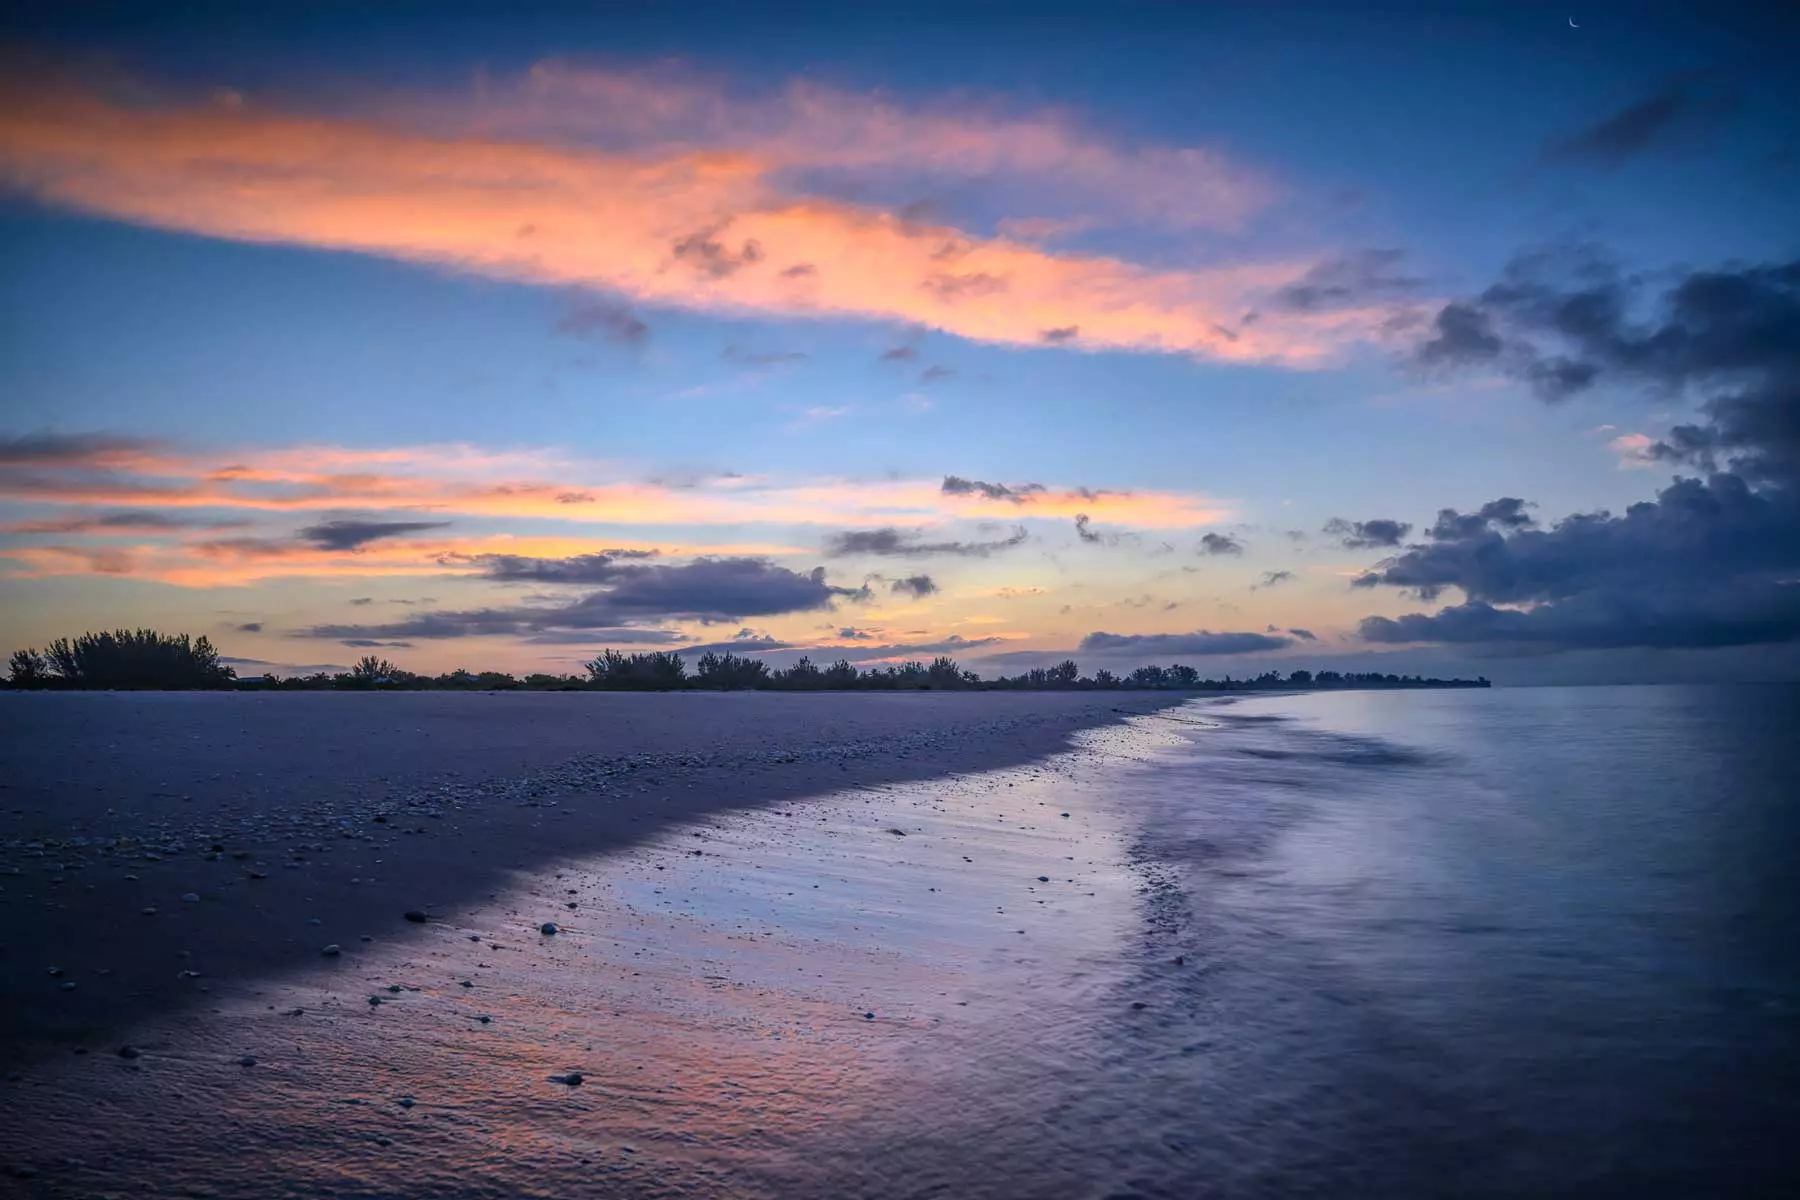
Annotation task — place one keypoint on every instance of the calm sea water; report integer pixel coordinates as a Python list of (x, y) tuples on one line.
[(1521, 942)]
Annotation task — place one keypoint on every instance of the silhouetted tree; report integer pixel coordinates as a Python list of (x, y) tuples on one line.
[(125, 658)]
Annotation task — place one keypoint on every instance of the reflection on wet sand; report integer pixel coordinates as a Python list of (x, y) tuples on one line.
[(824, 997)]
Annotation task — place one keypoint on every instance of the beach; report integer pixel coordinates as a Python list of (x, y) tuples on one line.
[(350, 810), (1403, 944)]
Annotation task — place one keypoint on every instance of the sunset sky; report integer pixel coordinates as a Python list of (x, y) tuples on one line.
[(1412, 337)]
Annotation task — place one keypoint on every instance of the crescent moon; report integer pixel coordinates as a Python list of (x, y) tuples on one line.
[(1572, 24)]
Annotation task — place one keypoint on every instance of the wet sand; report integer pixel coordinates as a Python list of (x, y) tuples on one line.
[(155, 848)]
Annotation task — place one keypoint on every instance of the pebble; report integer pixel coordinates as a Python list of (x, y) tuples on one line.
[(129, 1052), (417, 916), (246, 1061), (149, 910), (331, 951), (374, 1001), (1181, 960), (484, 1020), (547, 927), (1043, 879), (573, 1079), (407, 1102), (67, 985), (190, 897), (1139, 1004), (868, 1016)]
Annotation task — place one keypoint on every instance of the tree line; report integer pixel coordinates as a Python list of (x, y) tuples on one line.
[(144, 658)]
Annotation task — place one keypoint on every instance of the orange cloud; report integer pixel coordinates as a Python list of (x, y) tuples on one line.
[(447, 481), (714, 228)]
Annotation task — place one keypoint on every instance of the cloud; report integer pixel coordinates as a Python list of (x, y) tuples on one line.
[(1217, 544), (1707, 563), (464, 481), (1271, 578), (1365, 535), (375, 643), (69, 449), (851, 633), (1462, 335), (1630, 132), (1350, 281), (1023, 493), (916, 586), (1057, 337), (250, 627), (773, 358), (707, 589), (116, 523), (936, 374), (1508, 512), (1200, 642), (900, 354), (895, 543), (954, 644), (1082, 521), (599, 317), (1305, 635), (353, 535), (633, 206)]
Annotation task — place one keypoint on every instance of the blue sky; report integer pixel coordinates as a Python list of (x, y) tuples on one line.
[(310, 246)]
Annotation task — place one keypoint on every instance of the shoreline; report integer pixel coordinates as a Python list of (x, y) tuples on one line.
[(295, 822)]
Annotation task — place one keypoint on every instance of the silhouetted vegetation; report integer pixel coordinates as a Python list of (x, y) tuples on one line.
[(147, 659), (125, 658)]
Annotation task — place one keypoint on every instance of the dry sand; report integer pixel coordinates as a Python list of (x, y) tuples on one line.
[(141, 833)]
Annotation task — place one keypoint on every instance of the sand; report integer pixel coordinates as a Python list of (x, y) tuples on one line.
[(157, 850)]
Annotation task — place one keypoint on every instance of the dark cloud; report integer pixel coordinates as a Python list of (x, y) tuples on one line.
[(1639, 127), (374, 643), (744, 643), (853, 634), (1021, 493), (799, 271), (353, 535), (1366, 535), (250, 627), (1271, 578), (1200, 642), (1508, 512), (964, 287), (1463, 335), (1057, 337), (69, 449), (915, 586), (362, 600), (952, 645), (1216, 544), (707, 589), (708, 256), (745, 358), (895, 543), (1305, 635), (599, 318), (1082, 521), (135, 521), (1707, 563), (936, 374), (900, 354), (1354, 279), (1710, 561), (626, 635)]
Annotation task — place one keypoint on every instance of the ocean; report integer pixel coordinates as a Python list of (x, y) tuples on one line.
[(1534, 941), (1514, 942)]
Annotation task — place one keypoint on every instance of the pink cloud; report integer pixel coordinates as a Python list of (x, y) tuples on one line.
[(719, 228)]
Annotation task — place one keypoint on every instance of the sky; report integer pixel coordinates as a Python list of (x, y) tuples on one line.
[(1456, 338)]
